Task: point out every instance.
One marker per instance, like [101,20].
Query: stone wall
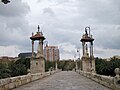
[13,82]
[108,81]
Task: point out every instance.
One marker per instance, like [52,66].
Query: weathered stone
[13,82]
[63,81]
[11,85]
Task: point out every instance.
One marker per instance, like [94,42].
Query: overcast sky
[62,23]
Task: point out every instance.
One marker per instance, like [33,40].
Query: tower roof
[38,35]
[87,37]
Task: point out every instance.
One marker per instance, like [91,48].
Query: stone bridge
[61,80]
[65,80]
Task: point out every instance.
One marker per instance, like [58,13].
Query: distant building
[6,59]
[51,53]
[116,57]
[26,55]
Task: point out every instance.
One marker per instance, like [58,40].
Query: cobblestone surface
[63,81]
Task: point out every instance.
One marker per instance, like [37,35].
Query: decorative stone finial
[86,29]
[117,71]
[32,33]
[38,28]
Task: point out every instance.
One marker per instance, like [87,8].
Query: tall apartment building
[51,53]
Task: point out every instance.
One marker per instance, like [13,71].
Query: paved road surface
[63,81]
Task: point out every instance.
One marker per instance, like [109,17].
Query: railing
[13,82]
[108,81]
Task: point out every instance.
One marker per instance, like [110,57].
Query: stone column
[32,48]
[92,49]
[83,46]
[41,46]
[40,49]
[76,66]
[92,59]
[90,55]
[56,65]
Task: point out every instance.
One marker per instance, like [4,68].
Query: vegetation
[21,66]
[66,65]
[16,68]
[49,65]
[79,64]
[105,67]
[4,71]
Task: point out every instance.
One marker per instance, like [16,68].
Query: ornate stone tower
[88,62]
[37,62]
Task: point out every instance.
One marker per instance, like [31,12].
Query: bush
[4,71]
[17,68]
[104,67]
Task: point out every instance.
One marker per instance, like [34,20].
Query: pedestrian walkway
[65,80]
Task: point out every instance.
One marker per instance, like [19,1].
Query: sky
[62,23]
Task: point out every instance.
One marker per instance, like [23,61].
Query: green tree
[24,61]
[66,65]
[49,64]
[4,71]
[105,67]
[17,69]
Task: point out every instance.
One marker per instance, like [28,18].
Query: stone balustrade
[13,82]
[108,81]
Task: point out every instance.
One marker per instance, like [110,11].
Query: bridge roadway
[65,80]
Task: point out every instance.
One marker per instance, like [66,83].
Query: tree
[105,67]
[17,69]
[24,61]
[49,64]
[4,71]
[20,67]
[66,65]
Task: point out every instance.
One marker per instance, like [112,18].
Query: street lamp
[5,1]
[78,51]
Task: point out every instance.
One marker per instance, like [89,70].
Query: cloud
[108,36]
[48,11]
[62,23]
[94,11]
[73,16]
[14,30]
[14,9]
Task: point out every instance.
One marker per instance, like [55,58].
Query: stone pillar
[90,55]
[56,65]
[92,51]
[92,59]
[41,46]
[39,49]
[76,65]
[83,46]
[86,50]
[32,48]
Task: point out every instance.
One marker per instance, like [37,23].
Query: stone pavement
[65,80]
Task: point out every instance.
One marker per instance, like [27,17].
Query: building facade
[51,53]
[26,55]
[6,59]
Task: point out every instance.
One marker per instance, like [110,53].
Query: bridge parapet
[108,81]
[13,82]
